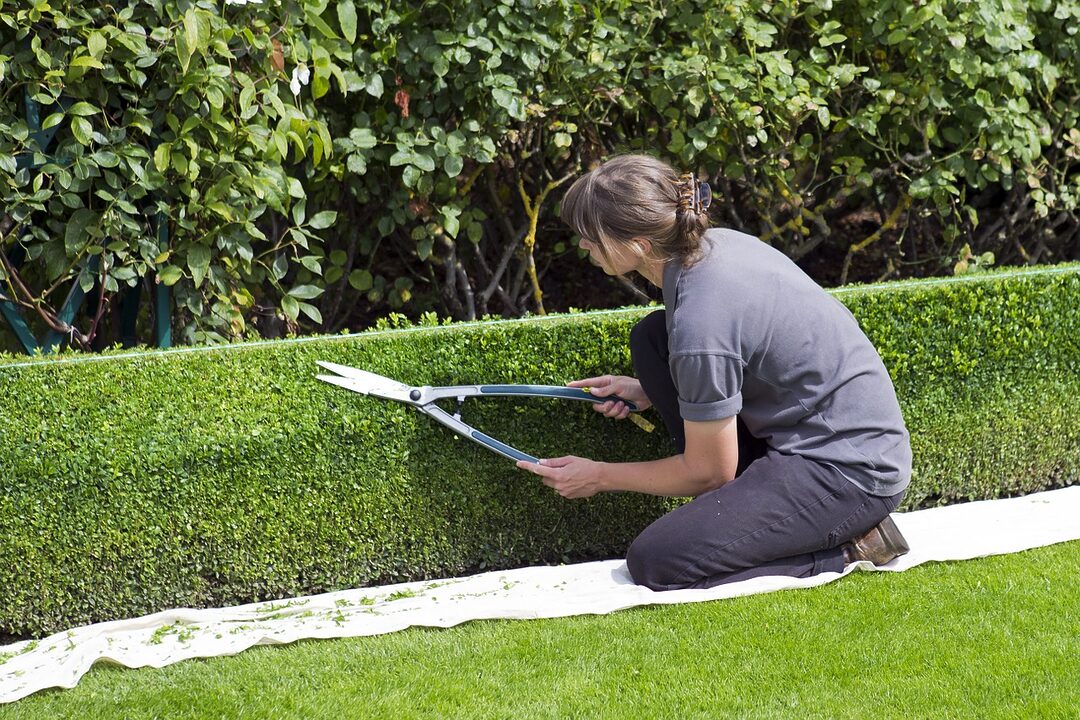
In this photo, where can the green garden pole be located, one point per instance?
(54, 339)
(129, 315)
(10, 311)
(15, 321)
(162, 295)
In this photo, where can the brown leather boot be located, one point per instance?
(879, 545)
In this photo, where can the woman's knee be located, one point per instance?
(650, 563)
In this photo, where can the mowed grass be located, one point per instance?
(991, 638)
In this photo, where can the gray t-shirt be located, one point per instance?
(750, 334)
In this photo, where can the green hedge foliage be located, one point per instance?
(319, 162)
(135, 482)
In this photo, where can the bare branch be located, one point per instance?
(504, 262)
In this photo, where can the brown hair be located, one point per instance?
(638, 196)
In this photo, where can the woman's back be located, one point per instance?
(750, 333)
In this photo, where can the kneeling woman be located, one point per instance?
(787, 431)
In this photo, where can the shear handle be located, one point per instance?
(552, 391)
(567, 393)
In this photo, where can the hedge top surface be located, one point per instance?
(9, 361)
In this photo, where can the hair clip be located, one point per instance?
(702, 197)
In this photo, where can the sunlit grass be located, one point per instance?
(997, 637)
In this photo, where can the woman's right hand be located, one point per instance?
(627, 388)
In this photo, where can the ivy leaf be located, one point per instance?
(247, 100)
(105, 158)
(305, 292)
(281, 144)
(311, 311)
(697, 98)
(85, 61)
(291, 307)
(54, 119)
(451, 221)
(75, 236)
(299, 211)
(422, 161)
(191, 28)
(198, 260)
(453, 165)
(215, 97)
(920, 188)
(280, 266)
(360, 280)
(363, 138)
(455, 142)
(823, 116)
(510, 102)
(83, 109)
(423, 247)
(96, 44)
(86, 280)
(299, 237)
(346, 12)
(896, 36)
(161, 157)
(319, 24)
(374, 85)
(475, 232)
(124, 273)
(184, 50)
(320, 83)
(324, 219)
(441, 66)
(356, 163)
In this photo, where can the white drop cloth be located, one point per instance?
(956, 532)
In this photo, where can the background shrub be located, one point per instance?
(319, 163)
(134, 482)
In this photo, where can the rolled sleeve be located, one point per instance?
(709, 385)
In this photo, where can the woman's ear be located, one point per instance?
(644, 245)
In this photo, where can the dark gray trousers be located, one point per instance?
(781, 515)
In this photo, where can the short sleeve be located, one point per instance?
(709, 385)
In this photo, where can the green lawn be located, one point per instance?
(992, 638)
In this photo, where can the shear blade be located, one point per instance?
(365, 382)
(342, 382)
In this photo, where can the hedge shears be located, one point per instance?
(424, 399)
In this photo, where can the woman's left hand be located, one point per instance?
(572, 477)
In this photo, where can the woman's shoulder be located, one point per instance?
(715, 234)
(748, 263)
(730, 258)
(733, 246)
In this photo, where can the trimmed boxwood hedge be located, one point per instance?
(133, 482)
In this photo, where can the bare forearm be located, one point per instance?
(710, 460)
(674, 476)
